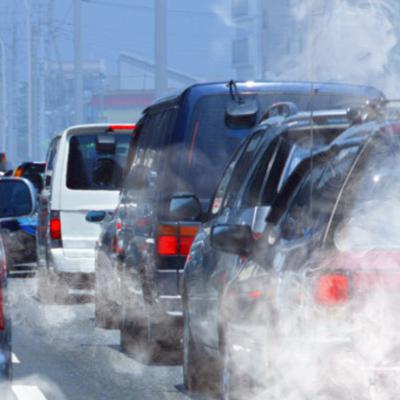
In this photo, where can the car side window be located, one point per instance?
(242, 169)
(50, 159)
(259, 179)
(312, 205)
(234, 174)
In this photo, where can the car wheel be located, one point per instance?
(200, 372)
(107, 314)
(135, 326)
(51, 288)
(232, 387)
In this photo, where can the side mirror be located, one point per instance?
(234, 239)
(17, 198)
(95, 216)
(185, 207)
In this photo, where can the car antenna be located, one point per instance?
(234, 92)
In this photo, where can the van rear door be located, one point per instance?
(95, 165)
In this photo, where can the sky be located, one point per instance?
(198, 41)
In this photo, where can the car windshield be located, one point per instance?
(210, 142)
(369, 209)
(92, 169)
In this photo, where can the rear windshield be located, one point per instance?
(210, 143)
(89, 169)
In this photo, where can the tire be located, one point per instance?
(232, 385)
(201, 374)
(235, 385)
(134, 327)
(107, 314)
(51, 289)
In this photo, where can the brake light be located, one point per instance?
(116, 128)
(55, 225)
(175, 239)
(332, 289)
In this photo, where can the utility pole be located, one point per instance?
(4, 102)
(78, 62)
(28, 11)
(161, 73)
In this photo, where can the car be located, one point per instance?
(85, 174)
(17, 199)
(321, 283)
(183, 143)
(20, 241)
(249, 185)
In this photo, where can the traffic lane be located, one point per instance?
(64, 356)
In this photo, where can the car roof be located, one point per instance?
(279, 86)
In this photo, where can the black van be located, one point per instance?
(182, 144)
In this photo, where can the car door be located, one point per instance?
(301, 229)
(203, 278)
(44, 205)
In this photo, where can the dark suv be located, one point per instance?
(250, 183)
(182, 144)
(321, 284)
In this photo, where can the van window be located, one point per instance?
(89, 169)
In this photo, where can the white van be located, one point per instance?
(85, 174)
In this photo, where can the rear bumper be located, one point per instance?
(67, 261)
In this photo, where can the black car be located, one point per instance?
(252, 180)
(321, 283)
(182, 144)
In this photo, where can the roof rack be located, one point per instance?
(371, 110)
(280, 109)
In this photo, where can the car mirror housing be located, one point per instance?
(95, 216)
(17, 198)
(234, 239)
(185, 206)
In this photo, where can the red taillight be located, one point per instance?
(167, 245)
(332, 289)
(175, 240)
(55, 226)
(124, 128)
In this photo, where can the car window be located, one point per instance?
(261, 186)
(241, 169)
(90, 169)
(367, 214)
(51, 155)
(312, 205)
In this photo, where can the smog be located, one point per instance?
(99, 301)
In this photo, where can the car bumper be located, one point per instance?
(69, 261)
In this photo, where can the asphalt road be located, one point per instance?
(60, 354)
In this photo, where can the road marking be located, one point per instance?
(24, 392)
(14, 359)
